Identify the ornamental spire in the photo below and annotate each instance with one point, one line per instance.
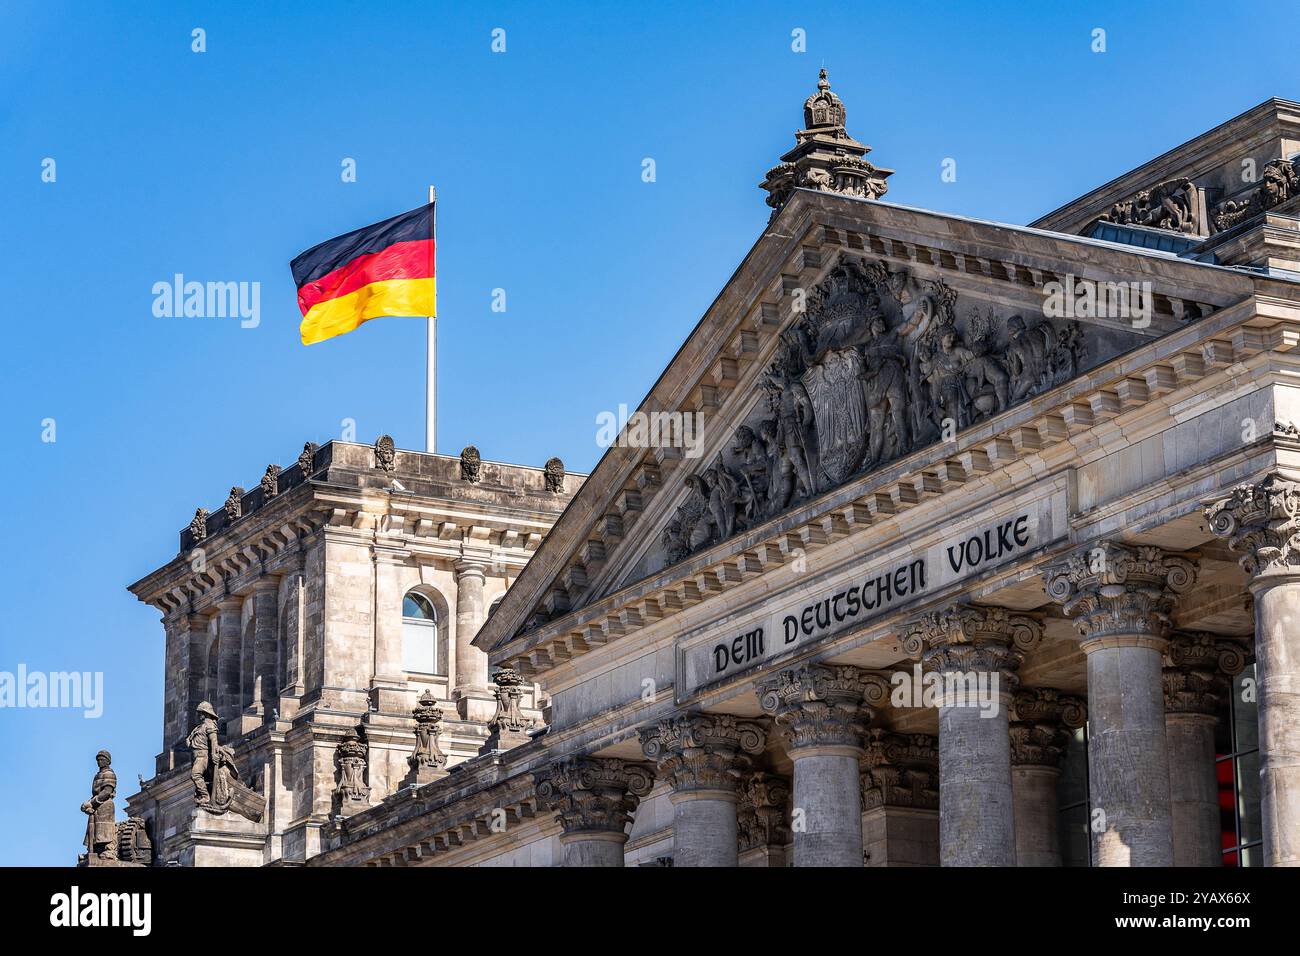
(825, 157)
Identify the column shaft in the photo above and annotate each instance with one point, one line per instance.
(828, 806)
(704, 828)
(976, 813)
(1193, 789)
(1128, 760)
(1277, 671)
(266, 658)
(1033, 793)
(229, 650)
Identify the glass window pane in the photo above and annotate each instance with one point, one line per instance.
(417, 606)
(419, 647)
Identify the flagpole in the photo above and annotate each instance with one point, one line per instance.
(431, 350)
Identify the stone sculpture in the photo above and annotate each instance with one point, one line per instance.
(352, 755)
(877, 367)
(428, 759)
(214, 774)
(101, 830)
(471, 465)
(554, 472)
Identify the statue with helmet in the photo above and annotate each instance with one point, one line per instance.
(217, 784)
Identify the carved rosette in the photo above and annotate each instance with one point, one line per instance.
(270, 482)
(702, 751)
(1114, 590)
(307, 459)
(819, 706)
(900, 770)
(761, 818)
(1041, 721)
(235, 503)
(970, 638)
(594, 794)
(1262, 523)
(385, 453)
(1197, 670)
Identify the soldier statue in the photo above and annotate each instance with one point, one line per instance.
(101, 830)
(202, 742)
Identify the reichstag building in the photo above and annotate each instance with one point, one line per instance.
(986, 553)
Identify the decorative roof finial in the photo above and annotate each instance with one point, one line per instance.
(825, 156)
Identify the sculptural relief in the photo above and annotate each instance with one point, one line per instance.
(878, 366)
(1279, 181)
(1171, 205)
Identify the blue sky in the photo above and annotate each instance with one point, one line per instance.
(223, 165)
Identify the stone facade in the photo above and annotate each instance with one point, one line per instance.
(284, 609)
(965, 495)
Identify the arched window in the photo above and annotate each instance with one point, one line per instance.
(419, 634)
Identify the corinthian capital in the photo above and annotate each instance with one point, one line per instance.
(1198, 668)
(593, 794)
(702, 751)
(1261, 522)
(818, 705)
(900, 770)
(1041, 721)
(968, 637)
(1115, 590)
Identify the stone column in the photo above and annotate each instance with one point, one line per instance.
(1197, 681)
(295, 611)
(196, 674)
(821, 711)
(1120, 598)
(266, 658)
(594, 799)
(229, 675)
(473, 698)
(702, 757)
(1262, 522)
(1041, 721)
(388, 680)
(175, 678)
(900, 799)
(974, 652)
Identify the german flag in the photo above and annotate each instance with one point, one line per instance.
(384, 269)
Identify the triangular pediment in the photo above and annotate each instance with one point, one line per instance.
(855, 335)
